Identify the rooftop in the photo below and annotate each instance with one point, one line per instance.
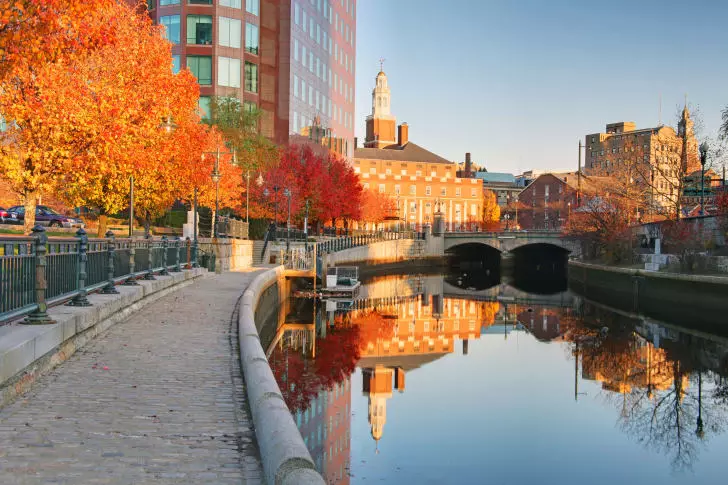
(501, 177)
(411, 152)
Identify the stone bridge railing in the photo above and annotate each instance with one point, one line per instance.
(510, 240)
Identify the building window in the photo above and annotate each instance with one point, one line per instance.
(443, 192)
(295, 86)
(231, 3)
(249, 106)
(199, 29)
(251, 77)
(428, 190)
(171, 27)
(396, 190)
(229, 32)
(473, 192)
(176, 66)
(413, 190)
(203, 104)
(296, 13)
(381, 188)
(252, 6)
(162, 3)
(199, 2)
(228, 72)
(251, 38)
(201, 67)
(457, 192)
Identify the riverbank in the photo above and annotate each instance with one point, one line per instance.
(693, 301)
(419, 266)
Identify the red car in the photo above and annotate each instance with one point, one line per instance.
(5, 217)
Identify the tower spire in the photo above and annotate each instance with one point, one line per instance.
(381, 64)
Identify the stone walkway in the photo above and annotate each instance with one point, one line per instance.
(158, 399)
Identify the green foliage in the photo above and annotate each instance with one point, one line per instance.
(239, 126)
(257, 229)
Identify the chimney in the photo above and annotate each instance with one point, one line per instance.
(403, 134)
(468, 165)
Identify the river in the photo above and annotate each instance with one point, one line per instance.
(437, 379)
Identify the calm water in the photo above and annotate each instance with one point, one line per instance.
(445, 385)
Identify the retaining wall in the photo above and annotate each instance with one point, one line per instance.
(691, 301)
(30, 351)
(286, 460)
(230, 254)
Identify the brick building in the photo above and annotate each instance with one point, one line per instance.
(293, 59)
(418, 180)
(656, 157)
(547, 201)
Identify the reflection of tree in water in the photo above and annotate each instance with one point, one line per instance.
(666, 400)
(302, 377)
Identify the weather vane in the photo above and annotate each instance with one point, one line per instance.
(381, 63)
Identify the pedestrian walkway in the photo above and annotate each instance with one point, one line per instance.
(158, 399)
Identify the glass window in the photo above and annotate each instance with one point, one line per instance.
(252, 6)
(295, 49)
(251, 38)
(201, 67)
(305, 21)
(199, 29)
(443, 191)
(176, 66)
(229, 32)
(249, 106)
(457, 192)
(297, 13)
(171, 27)
(200, 2)
(413, 189)
(295, 86)
(151, 4)
(168, 2)
(204, 106)
(231, 3)
(304, 56)
(251, 77)
(228, 72)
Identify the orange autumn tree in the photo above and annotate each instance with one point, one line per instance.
(40, 41)
(129, 98)
(491, 211)
(376, 207)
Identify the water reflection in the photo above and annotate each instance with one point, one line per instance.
(665, 387)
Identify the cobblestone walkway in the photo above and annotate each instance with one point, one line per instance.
(158, 399)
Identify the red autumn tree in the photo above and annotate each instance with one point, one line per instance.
(376, 207)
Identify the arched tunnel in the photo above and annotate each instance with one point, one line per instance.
(535, 268)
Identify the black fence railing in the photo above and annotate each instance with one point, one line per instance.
(232, 228)
(347, 242)
(37, 271)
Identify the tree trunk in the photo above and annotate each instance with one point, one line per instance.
(30, 203)
(147, 226)
(103, 224)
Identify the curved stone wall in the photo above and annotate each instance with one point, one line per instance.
(286, 460)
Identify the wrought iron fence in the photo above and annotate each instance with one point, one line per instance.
(38, 271)
(347, 242)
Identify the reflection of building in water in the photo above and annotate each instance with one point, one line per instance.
(325, 427)
(542, 322)
(399, 337)
(636, 364)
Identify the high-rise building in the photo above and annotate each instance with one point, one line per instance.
(293, 59)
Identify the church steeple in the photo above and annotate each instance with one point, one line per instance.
(381, 125)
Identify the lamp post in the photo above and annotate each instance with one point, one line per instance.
(703, 161)
(216, 177)
(287, 193)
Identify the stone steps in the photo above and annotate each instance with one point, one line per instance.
(257, 256)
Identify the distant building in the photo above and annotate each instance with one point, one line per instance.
(419, 181)
(657, 157)
(712, 186)
(502, 184)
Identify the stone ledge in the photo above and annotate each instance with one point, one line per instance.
(695, 278)
(30, 351)
(286, 460)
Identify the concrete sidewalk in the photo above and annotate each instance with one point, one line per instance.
(158, 399)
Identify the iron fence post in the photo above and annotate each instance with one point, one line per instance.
(188, 252)
(178, 243)
(131, 280)
(81, 297)
(149, 276)
(110, 288)
(195, 248)
(40, 315)
(165, 246)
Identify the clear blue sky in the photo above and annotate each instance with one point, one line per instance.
(519, 82)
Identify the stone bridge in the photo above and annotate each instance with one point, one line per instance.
(509, 241)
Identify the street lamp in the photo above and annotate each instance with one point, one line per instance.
(216, 176)
(266, 193)
(703, 160)
(287, 193)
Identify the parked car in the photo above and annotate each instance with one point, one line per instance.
(6, 217)
(45, 216)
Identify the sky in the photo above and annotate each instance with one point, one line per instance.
(519, 82)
